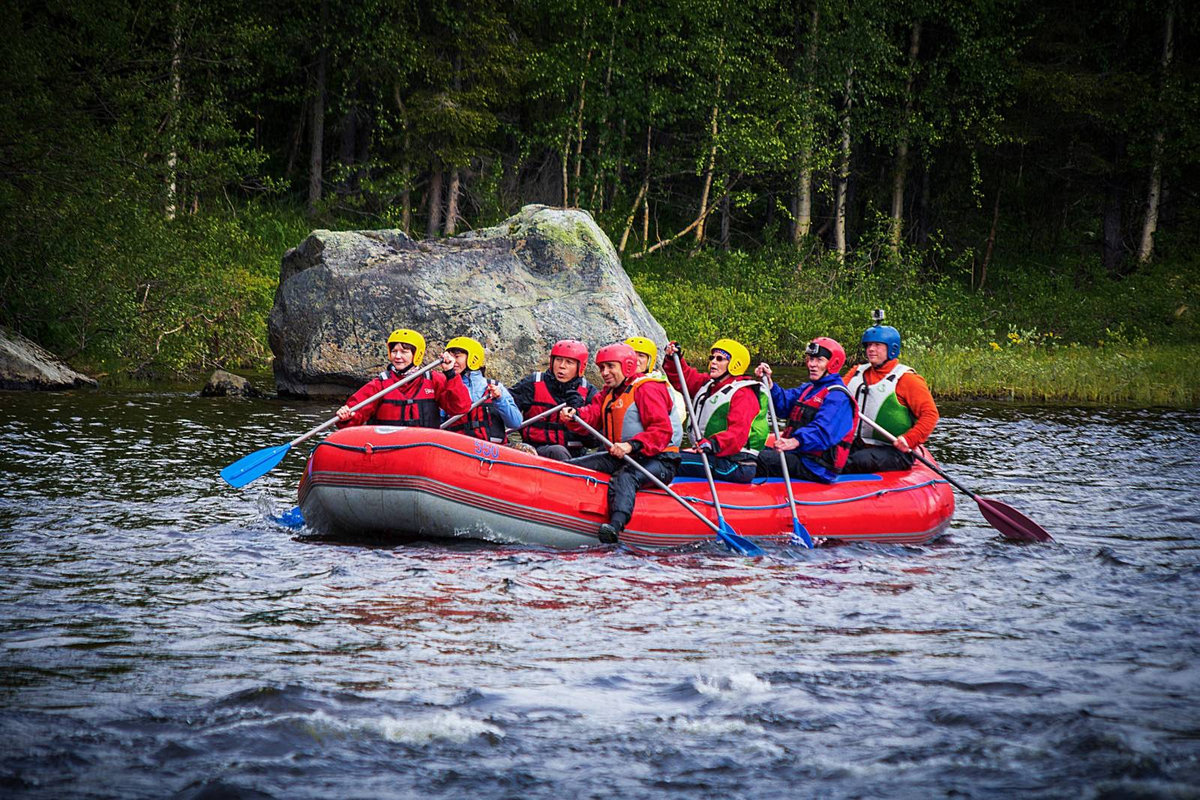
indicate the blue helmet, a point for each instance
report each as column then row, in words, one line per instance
column 884, row 334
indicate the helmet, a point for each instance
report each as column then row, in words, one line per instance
column 739, row 356
column 411, row 338
column 837, row 355
column 884, row 334
column 621, row 353
column 571, row 348
column 641, row 344
column 473, row 349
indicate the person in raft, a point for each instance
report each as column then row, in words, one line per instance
column 634, row 412
column 490, row 419
column 732, row 419
column 821, row 418
column 647, row 355
column 892, row 395
column 415, row 404
column 542, row 391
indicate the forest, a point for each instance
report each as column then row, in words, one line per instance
column 999, row 174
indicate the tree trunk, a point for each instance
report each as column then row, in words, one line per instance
column 176, row 99
column 923, row 209
column 708, row 170
column 315, row 165
column 296, row 139
column 1154, row 189
column 566, row 157
column 901, row 167
column 725, row 222
column 405, row 164
column 987, row 255
column 435, row 200
column 579, row 125
column 843, row 184
column 452, row 203
column 802, row 212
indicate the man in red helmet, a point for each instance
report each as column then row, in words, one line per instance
column 541, row 391
column 634, row 412
column 821, row 418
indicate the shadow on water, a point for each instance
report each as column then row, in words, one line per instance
column 162, row 636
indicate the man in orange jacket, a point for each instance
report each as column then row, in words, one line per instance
column 892, row 395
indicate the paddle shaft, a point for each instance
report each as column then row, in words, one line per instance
column 474, row 406
column 787, row 479
column 600, row 438
column 368, row 401
column 537, row 417
column 696, row 437
column 888, row 435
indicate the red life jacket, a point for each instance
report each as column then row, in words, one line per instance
column 549, row 430
column 483, row 423
column 804, row 411
column 414, row 405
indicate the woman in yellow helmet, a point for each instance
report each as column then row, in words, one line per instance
column 729, row 412
column 419, row 403
column 489, row 420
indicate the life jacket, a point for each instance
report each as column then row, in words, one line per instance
column 549, row 430
column 679, row 406
column 419, row 409
column 712, row 412
column 482, row 422
column 879, row 403
column 805, row 410
column 621, row 421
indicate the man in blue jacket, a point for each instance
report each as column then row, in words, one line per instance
column 821, row 418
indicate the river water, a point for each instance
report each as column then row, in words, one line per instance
column 161, row 636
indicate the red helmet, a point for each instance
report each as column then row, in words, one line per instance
column 837, row 355
column 621, row 353
column 571, row 348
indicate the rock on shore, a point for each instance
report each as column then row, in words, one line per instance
column 26, row 365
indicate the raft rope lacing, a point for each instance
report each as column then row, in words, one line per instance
column 492, row 462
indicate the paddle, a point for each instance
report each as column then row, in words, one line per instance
column 260, row 462
column 736, row 543
column 535, row 418
column 725, row 530
column 1011, row 523
column 457, row 417
column 800, row 534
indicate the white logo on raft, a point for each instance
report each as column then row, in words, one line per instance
column 386, row 429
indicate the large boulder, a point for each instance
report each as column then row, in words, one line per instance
column 540, row 276
column 26, row 365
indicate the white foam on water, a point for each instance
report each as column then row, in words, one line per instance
column 714, row 726
column 445, row 727
column 738, row 682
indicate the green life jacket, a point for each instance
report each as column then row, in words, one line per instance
column 712, row 413
column 879, row 403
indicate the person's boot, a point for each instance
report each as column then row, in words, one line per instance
column 610, row 532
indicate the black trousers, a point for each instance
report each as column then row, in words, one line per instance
column 877, row 458
column 723, row 469
column 556, row 452
column 626, row 480
column 769, row 467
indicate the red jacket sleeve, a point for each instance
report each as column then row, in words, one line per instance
column 451, row 393
column 743, row 408
column 361, row 416
column 590, row 413
column 653, row 400
column 913, row 392
column 695, row 380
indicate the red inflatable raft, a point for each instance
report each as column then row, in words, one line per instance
column 408, row 482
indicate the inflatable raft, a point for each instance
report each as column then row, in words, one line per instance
column 416, row 482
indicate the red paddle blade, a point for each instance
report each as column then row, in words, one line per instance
column 1011, row 523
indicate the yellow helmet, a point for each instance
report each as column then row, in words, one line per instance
column 411, row 338
column 739, row 356
column 647, row 347
column 473, row 349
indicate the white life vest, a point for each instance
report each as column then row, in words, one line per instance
column 879, row 403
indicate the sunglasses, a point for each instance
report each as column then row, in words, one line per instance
column 718, row 357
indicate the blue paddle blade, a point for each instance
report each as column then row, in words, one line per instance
column 800, row 534
column 255, row 465
column 738, row 544
column 293, row 518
